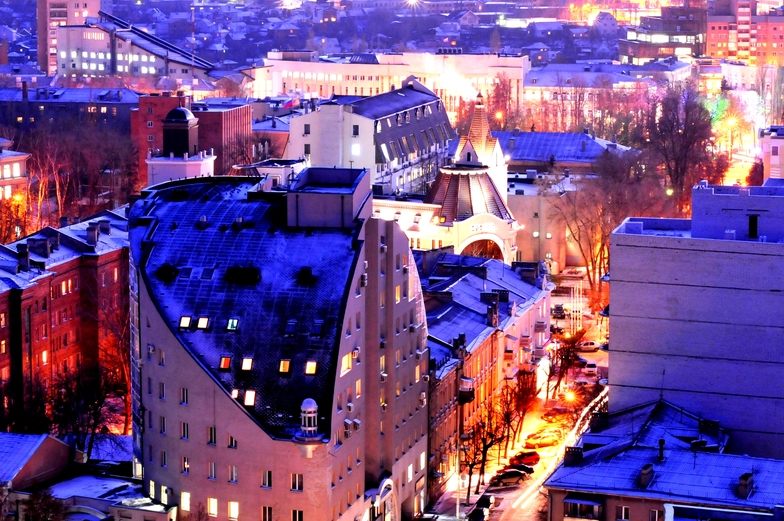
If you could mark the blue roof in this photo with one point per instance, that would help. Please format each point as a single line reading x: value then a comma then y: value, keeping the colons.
x: 564, y: 146
x: 15, y: 451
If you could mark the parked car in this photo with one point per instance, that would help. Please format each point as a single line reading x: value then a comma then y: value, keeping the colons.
x: 554, y: 415
x: 606, y: 346
x: 479, y: 514
x: 558, y: 311
x: 521, y: 467
x: 528, y: 457
x: 579, y: 361
x: 508, y: 477
x: 556, y: 330
x: 590, y: 369
x: 588, y: 345
x: 543, y: 438
x: 486, y: 501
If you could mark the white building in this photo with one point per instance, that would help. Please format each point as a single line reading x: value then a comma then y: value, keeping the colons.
x: 695, y: 313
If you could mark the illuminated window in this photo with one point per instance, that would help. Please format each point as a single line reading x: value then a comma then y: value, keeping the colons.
x: 549, y: 235
x: 233, y: 323
x: 397, y: 294
x: 247, y: 364
x: 45, y: 357
x: 234, y: 509
x: 346, y: 363
x: 536, y: 234
x: 250, y: 397
x: 235, y: 393
x: 225, y: 363
x: 310, y: 367
x: 285, y: 366
x: 152, y: 489
x: 212, y: 507
x: 203, y: 323
x: 185, y: 322
x: 185, y: 501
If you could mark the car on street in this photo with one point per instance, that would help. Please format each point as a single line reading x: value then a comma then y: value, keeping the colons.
x: 486, y: 501
x: 588, y: 346
x: 590, y: 369
x: 527, y: 457
x: 554, y: 415
x: 543, y: 438
x: 508, y: 477
x: 520, y: 466
x: 606, y: 346
x: 580, y: 361
x: 479, y: 514
x: 558, y: 311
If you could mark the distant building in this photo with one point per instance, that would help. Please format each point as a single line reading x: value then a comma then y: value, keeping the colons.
x: 746, y: 31
x: 270, y: 382
x: 772, y: 144
x: 681, y: 291
x: 679, y: 31
x: 400, y: 136
x: 51, y: 15
x: 13, y: 174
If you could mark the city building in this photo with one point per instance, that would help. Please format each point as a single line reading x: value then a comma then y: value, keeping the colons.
x: 681, y: 291
x: 453, y: 76
x: 486, y: 323
x: 114, y: 47
x: 747, y: 32
x: 278, y: 340
x: 399, y: 136
x: 25, y: 108
x: 659, y: 461
x: 13, y: 173
x: 679, y: 31
x: 771, y: 141
x: 51, y: 15
x: 63, y: 296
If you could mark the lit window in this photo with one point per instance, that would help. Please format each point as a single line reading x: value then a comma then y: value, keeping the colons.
x: 235, y: 393
x: 346, y: 363
x: 250, y: 397
x: 285, y: 366
x: 185, y: 322
x: 247, y: 364
x: 203, y: 322
x: 397, y: 294
x: 549, y: 235
x: 233, y: 323
x: 45, y: 357
x: 234, y: 509
x: 536, y: 234
x: 185, y: 501
x: 410, y: 473
x: 212, y: 507
x: 310, y: 367
x: 152, y: 489
x: 225, y: 363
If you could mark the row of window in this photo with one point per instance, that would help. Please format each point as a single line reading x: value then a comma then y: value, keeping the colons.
x: 212, y: 505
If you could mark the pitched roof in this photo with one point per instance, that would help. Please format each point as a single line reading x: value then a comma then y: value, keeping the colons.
x: 564, y: 146
x: 15, y: 451
x: 465, y: 191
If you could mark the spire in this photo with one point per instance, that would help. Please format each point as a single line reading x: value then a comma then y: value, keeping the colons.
x: 479, y: 130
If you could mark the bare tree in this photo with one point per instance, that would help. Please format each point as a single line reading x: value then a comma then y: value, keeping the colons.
x: 43, y: 506
x: 471, y: 451
x: 197, y: 514
x: 490, y: 433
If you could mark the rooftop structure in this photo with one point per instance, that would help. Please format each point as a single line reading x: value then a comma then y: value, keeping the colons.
x: 22, y: 457
x: 704, y: 282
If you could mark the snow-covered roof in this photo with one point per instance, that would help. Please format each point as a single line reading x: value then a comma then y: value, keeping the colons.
x: 97, y: 487
x: 15, y: 451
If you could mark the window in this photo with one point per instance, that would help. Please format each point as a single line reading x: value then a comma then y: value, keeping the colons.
x: 285, y: 366
x: 163, y: 459
x: 307, y: 129
x: 203, y: 323
x: 422, y: 461
x: 225, y: 363
x: 183, y: 396
x: 211, y: 435
x: 266, y: 479
x: 234, y: 509
x: 232, y: 473
x: 397, y: 294
x: 296, y: 482
x: 310, y: 367
x: 359, y: 388
x: 211, y: 470
x: 149, y: 124
x: 163, y: 424
x: 266, y: 513
x: 346, y: 363
x: 152, y: 488
x: 296, y: 515
x: 185, y: 322
x: 186, y: 466
x: 410, y: 473
x: 184, y: 430
x: 656, y: 515
x: 355, y: 130
x: 162, y: 390
x: 621, y: 512
x: 250, y: 398
x: 307, y: 149
x: 774, y: 151
x: 161, y: 357
x: 2, y: 319
x: 185, y: 501
x: 233, y: 323
x: 232, y: 442
x: 247, y: 364
x: 212, y: 507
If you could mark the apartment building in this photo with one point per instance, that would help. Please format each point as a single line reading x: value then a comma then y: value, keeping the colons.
x: 55, y: 13
x: 686, y: 293
x: 279, y: 340
x: 748, y: 33
x: 61, y: 293
x: 772, y: 145
x: 453, y: 76
x: 679, y: 31
x: 13, y: 171
x: 400, y: 136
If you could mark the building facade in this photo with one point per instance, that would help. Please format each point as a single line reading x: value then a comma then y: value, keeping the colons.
x: 683, y: 292
x: 51, y: 15
x: 272, y: 385
x: 679, y: 31
x: 752, y: 36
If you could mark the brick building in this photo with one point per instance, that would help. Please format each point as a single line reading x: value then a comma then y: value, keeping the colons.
x: 61, y: 293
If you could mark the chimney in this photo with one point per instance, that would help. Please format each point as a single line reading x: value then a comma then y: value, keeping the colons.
x: 105, y: 225
x: 38, y: 246
x: 615, y: 138
x: 75, y: 220
x: 646, y: 475
x: 25, y: 91
x: 599, y: 421
x: 661, y: 449
x: 54, y: 242
x: 274, y: 122
x: 492, y: 315
x: 462, y: 338
x: 63, y: 221
x: 516, y: 131
x: 24, y: 257
x: 201, y: 224
x: 573, y: 457
x: 745, y: 485
x: 92, y: 234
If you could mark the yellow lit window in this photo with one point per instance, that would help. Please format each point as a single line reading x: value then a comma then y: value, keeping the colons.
x: 284, y: 366
x: 212, y: 507
x: 225, y: 362
x: 234, y: 509
x: 185, y: 322
x: 310, y: 367
x: 250, y: 397
x: 203, y: 322
x: 247, y: 364
x: 235, y: 393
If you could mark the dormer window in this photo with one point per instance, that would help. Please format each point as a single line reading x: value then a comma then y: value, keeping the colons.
x: 250, y: 397
x: 284, y: 366
x: 225, y: 363
x: 233, y: 323
x: 291, y: 327
x: 247, y: 364
x: 310, y: 367
x: 235, y: 393
x: 318, y: 328
x: 185, y: 322
x: 203, y: 323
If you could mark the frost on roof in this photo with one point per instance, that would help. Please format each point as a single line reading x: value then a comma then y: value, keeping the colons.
x: 15, y: 451
x: 164, y: 223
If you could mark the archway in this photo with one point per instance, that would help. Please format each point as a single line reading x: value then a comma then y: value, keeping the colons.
x: 483, y: 248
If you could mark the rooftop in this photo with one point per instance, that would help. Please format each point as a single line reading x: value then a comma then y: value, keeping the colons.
x: 15, y: 451
x: 462, y: 192
x: 572, y: 147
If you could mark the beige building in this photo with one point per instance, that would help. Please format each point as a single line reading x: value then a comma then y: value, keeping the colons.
x: 772, y: 145
x: 51, y: 15
x: 451, y: 77
x: 279, y: 338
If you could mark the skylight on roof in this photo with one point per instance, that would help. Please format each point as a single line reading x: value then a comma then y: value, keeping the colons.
x: 225, y: 363
x: 233, y: 323
x: 185, y: 273
x: 203, y: 323
x: 247, y: 364
x: 291, y: 327
x: 250, y: 397
x: 285, y: 366
x: 185, y: 322
x: 310, y: 367
x: 318, y: 328
x: 235, y: 393
x: 207, y: 273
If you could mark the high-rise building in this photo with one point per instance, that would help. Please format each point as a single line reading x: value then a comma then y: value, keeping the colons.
x: 51, y: 15
x: 278, y: 340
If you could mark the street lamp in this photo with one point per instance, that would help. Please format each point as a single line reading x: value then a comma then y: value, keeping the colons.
x: 500, y: 116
